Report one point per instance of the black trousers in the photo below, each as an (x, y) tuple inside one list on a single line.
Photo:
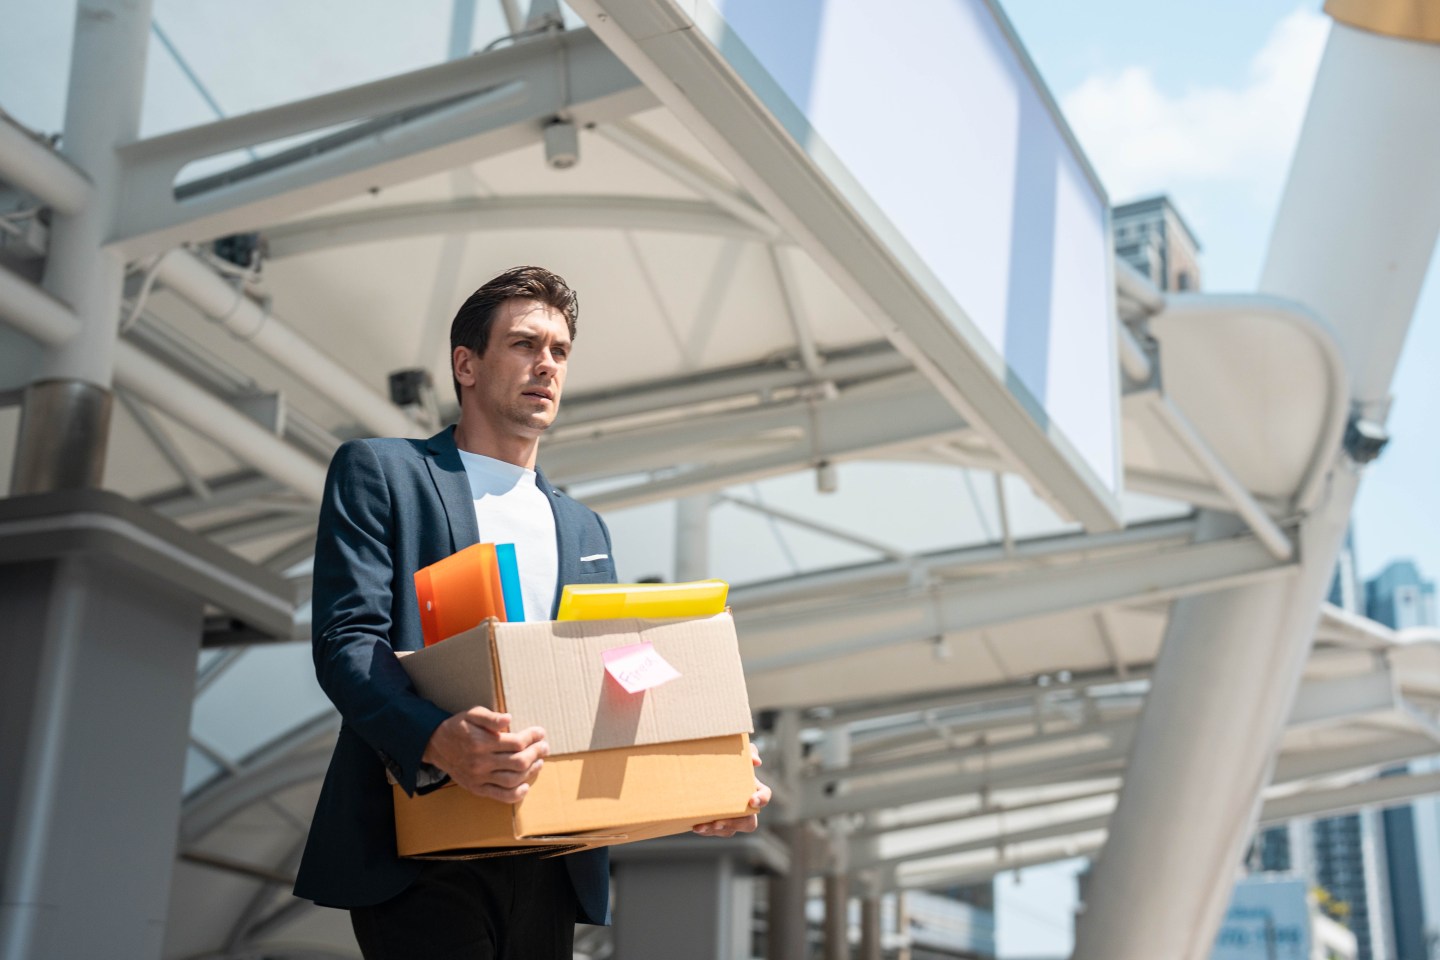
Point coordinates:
[(504, 908)]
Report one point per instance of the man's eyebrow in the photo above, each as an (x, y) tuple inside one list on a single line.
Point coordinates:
[(530, 334)]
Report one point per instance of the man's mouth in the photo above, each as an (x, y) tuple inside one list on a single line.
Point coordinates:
[(540, 392)]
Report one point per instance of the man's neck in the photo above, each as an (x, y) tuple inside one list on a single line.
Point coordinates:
[(476, 436)]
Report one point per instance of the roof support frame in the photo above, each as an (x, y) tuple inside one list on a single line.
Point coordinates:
[(165, 443), (37, 168), (955, 608), (660, 42), (489, 214), (1242, 502), (667, 160), (815, 526), (862, 422), (430, 120)]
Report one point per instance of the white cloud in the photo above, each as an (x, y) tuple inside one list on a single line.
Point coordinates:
[(1143, 140)]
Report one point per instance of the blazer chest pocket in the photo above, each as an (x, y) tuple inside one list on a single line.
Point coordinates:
[(596, 568)]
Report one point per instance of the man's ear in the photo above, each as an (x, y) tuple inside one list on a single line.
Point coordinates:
[(462, 366)]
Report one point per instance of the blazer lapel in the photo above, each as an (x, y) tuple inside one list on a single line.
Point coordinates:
[(567, 567), (453, 486)]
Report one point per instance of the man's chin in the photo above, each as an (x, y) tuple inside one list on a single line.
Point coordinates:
[(533, 424)]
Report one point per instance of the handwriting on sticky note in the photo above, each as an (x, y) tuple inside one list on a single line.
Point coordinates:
[(638, 667)]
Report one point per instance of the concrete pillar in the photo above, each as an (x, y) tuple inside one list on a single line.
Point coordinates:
[(788, 930), (871, 932), (1353, 238), (837, 916), (692, 538), (103, 606), (65, 425), (835, 755), (697, 907)]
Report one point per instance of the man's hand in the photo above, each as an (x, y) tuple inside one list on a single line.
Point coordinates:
[(480, 753), (728, 828)]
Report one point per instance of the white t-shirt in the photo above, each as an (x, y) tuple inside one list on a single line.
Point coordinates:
[(511, 508)]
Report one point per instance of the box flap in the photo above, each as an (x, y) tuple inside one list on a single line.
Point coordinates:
[(553, 676), (457, 673)]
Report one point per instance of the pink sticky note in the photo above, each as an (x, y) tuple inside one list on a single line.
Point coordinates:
[(638, 667)]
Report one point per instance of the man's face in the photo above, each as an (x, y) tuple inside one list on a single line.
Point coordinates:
[(518, 379)]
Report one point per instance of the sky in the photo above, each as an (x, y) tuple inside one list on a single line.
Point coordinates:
[(1204, 102)]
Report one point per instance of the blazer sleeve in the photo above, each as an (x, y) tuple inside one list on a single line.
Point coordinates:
[(351, 621)]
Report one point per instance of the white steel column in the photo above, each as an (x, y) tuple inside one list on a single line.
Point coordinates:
[(692, 537), (835, 755), (1353, 238), (70, 398)]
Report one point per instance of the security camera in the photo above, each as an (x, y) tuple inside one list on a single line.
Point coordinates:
[(1364, 439), (562, 145)]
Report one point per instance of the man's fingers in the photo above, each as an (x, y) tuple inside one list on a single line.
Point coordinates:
[(527, 737), (487, 719), (522, 740), (519, 761), (755, 755), (727, 828), (510, 779), (761, 797), (503, 794)]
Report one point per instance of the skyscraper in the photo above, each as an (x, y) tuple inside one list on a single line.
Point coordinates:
[(1400, 598), (1152, 237)]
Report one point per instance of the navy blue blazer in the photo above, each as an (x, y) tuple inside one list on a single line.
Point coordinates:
[(390, 508)]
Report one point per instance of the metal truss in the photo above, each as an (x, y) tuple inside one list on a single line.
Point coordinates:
[(829, 628), (865, 421), (395, 130), (490, 214)]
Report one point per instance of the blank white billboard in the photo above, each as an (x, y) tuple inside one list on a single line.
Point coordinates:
[(931, 121)]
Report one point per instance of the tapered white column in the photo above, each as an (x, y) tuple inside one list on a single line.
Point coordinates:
[(1354, 234), (692, 537), (64, 427)]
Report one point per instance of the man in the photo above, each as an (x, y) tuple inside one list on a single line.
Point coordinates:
[(390, 508)]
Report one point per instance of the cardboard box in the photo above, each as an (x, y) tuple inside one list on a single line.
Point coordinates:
[(623, 766)]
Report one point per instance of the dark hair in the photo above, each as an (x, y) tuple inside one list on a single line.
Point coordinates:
[(471, 326)]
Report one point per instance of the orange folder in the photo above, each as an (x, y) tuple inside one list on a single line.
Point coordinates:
[(459, 592)]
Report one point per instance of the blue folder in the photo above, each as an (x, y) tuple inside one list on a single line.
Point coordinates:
[(510, 582)]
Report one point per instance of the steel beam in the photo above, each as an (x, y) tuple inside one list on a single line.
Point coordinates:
[(1059, 848), (869, 361), (35, 167), (986, 809), (820, 782), (466, 215), (410, 126), (273, 769), (815, 526), (829, 629), (1084, 760), (1377, 792), (968, 697), (1310, 765), (671, 162), (987, 559), (863, 422), (1324, 702), (998, 841), (196, 282), (1241, 500)]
